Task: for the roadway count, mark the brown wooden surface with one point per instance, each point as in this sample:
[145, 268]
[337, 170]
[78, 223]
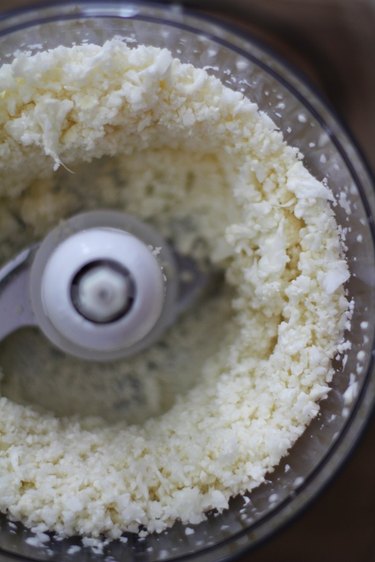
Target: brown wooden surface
[340, 525]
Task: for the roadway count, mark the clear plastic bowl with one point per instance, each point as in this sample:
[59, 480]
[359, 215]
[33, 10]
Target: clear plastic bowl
[329, 153]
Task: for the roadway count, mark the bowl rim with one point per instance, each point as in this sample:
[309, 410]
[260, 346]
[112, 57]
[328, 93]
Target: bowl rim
[339, 452]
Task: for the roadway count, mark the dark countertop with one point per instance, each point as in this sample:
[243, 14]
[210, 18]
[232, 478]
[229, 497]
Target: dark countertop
[332, 42]
[339, 525]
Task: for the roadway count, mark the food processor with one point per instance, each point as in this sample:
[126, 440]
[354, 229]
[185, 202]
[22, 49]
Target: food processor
[306, 123]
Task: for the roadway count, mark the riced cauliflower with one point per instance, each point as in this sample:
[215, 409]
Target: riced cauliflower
[235, 382]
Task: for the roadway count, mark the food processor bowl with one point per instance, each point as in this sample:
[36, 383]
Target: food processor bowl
[307, 123]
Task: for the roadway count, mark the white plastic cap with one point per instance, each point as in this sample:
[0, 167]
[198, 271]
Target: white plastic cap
[94, 246]
[103, 285]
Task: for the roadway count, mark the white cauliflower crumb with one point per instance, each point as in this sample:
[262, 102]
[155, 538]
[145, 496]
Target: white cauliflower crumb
[174, 146]
[73, 549]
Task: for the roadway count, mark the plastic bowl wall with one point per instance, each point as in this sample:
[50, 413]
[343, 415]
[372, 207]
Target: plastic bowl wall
[329, 153]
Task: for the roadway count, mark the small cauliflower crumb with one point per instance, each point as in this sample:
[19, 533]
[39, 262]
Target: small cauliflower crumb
[163, 140]
[73, 549]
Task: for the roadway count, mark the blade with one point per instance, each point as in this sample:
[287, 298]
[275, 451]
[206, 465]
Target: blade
[15, 306]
